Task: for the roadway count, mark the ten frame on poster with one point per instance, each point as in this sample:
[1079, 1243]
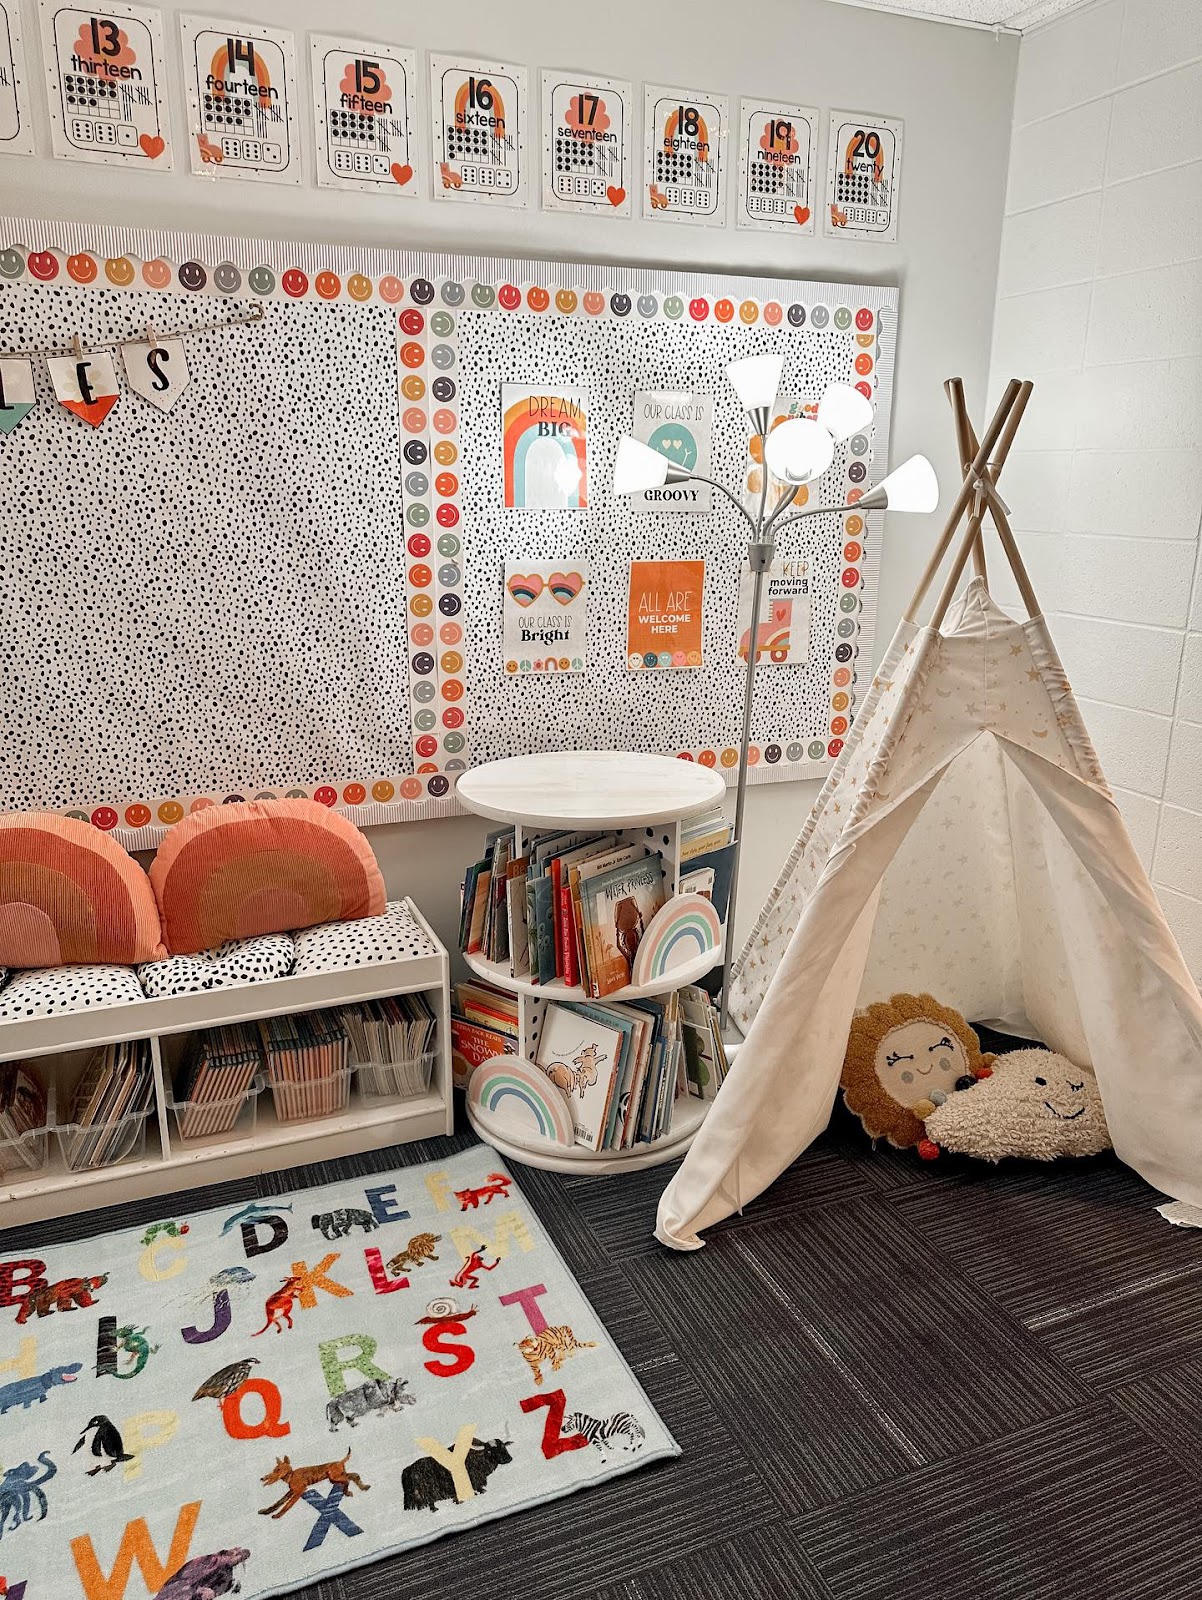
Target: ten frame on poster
[474, 309]
[364, 115]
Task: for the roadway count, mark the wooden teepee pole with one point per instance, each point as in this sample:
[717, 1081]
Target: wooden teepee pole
[967, 445]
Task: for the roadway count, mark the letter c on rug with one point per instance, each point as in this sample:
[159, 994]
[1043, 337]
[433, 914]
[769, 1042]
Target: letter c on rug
[270, 1426]
[136, 1545]
[435, 1340]
[148, 1262]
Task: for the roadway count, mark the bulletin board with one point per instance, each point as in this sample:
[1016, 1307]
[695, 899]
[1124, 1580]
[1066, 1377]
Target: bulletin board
[292, 582]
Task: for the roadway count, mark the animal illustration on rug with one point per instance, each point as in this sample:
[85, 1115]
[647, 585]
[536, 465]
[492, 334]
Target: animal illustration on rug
[416, 1253]
[105, 1444]
[226, 1380]
[69, 1294]
[337, 1224]
[206, 1577]
[279, 1306]
[580, 1075]
[229, 1276]
[21, 1491]
[170, 1230]
[133, 1342]
[445, 1310]
[25, 1391]
[496, 1187]
[425, 1482]
[254, 1212]
[468, 1276]
[298, 1479]
[554, 1345]
[377, 1394]
[607, 1433]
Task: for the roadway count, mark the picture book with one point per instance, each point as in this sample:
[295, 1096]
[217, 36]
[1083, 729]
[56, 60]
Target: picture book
[617, 906]
[582, 1056]
[710, 874]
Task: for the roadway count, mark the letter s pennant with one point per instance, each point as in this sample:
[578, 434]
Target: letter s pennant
[157, 371]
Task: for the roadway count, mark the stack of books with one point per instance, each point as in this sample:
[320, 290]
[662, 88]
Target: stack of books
[484, 1024]
[706, 831]
[705, 1055]
[391, 1043]
[110, 1106]
[620, 1067]
[218, 1073]
[308, 1064]
[22, 1110]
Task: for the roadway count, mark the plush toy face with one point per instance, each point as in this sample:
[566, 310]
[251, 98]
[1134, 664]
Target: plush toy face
[904, 1056]
[1037, 1105]
[920, 1057]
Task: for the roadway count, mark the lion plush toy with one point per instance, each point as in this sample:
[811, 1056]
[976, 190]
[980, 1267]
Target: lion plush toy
[905, 1056]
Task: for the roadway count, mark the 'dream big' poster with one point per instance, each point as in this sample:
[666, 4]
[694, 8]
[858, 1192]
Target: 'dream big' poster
[544, 447]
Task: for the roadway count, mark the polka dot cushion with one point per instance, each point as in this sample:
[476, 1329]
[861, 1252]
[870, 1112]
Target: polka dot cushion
[55, 990]
[3, 976]
[395, 936]
[236, 962]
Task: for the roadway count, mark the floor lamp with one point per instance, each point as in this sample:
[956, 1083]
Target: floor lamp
[795, 453]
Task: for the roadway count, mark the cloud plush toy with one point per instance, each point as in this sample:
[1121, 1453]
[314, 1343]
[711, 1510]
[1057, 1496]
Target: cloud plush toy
[1036, 1105]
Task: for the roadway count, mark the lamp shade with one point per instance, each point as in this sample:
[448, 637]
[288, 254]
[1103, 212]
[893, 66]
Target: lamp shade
[798, 451]
[843, 411]
[638, 467]
[911, 487]
[756, 380]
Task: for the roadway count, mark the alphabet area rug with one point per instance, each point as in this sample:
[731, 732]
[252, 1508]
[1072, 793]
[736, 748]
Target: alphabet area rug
[270, 1394]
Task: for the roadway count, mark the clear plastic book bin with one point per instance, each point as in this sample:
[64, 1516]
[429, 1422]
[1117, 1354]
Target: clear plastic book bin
[103, 1143]
[230, 1116]
[24, 1153]
[299, 1098]
[401, 1079]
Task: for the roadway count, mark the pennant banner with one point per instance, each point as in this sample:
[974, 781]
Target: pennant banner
[158, 371]
[86, 384]
[16, 391]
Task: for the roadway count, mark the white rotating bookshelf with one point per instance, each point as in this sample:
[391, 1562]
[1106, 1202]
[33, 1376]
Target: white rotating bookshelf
[639, 798]
[164, 1161]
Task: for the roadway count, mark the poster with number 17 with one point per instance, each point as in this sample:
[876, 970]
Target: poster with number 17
[586, 144]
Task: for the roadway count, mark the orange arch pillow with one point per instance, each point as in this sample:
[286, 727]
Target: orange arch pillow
[69, 894]
[266, 866]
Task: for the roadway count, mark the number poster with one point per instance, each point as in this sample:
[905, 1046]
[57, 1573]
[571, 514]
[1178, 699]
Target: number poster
[664, 614]
[678, 425]
[363, 115]
[783, 625]
[685, 156]
[16, 128]
[479, 114]
[586, 144]
[106, 84]
[242, 99]
[863, 176]
[544, 616]
[544, 448]
[778, 152]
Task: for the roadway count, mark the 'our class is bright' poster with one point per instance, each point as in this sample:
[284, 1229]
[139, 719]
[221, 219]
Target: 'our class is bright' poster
[544, 448]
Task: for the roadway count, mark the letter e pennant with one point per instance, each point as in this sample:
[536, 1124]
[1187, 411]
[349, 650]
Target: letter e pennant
[85, 384]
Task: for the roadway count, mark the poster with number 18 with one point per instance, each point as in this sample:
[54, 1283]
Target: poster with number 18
[106, 85]
[685, 136]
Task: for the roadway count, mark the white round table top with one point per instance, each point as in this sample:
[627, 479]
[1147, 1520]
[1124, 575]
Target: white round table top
[589, 788]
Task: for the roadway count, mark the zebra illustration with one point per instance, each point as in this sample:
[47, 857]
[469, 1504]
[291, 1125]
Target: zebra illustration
[606, 1433]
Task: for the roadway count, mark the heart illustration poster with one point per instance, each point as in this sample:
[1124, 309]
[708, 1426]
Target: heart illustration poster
[478, 111]
[242, 100]
[664, 614]
[677, 423]
[107, 85]
[684, 178]
[545, 616]
[363, 115]
[783, 624]
[586, 144]
[778, 147]
[544, 449]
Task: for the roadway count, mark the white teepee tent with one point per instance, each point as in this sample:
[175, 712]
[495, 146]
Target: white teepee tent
[965, 844]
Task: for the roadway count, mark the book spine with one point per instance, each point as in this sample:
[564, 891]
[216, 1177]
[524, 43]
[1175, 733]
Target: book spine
[556, 931]
[567, 934]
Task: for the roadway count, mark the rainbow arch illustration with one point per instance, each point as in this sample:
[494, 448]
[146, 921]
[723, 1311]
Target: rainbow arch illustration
[521, 425]
[513, 1088]
[680, 931]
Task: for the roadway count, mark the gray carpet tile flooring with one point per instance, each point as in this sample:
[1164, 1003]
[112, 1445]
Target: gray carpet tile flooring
[892, 1380]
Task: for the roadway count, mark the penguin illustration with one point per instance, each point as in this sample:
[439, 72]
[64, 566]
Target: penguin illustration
[107, 1445]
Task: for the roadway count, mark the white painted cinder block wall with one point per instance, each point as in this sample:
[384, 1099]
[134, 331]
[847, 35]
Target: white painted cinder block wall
[1100, 302]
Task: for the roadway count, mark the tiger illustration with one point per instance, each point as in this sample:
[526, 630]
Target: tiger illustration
[605, 1433]
[554, 1345]
[419, 1250]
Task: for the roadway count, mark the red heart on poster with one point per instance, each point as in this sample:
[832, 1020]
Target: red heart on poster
[614, 195]
[402, 174]
[153, 144]
[801, 215]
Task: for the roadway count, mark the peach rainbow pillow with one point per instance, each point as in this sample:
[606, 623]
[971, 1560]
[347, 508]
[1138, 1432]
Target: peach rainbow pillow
[266, 866]
[70, 895]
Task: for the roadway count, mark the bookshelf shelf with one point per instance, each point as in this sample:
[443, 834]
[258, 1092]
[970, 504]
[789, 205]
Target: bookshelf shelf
[632, 795]
[169, 1162]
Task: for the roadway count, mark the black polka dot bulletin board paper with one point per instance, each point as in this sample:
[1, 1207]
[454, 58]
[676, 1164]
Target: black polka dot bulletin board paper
[291, 583]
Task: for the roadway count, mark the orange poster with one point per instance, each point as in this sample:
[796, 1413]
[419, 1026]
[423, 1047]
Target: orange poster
[663, 617]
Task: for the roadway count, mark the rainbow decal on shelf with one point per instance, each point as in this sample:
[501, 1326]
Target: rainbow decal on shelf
[512, 1090]
[680, 931]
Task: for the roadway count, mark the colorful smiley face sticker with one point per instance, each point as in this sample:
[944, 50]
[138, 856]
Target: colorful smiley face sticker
[43, 265]
[137, 816]
[226, 277]
[749, 312]
[619, 304]
[537, 299]
[724, 310]
[105, 818]
[170, 812]
[294, 282]
[358, 287]
[565, 301]
[82, 267]
[325, 795]
[421, 291]
[674, 307]
[699, 309]
[328, 285]
[120, 271]
[452, 293]
[382, 791]
[594, 303]
[773, 312]
[192, 275]
[483, 295]
[11, 264]
[262, 280]
[509, 296]
[391, 289]
[354, 794]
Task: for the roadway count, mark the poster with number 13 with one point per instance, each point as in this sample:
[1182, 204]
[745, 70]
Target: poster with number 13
[107, 90]
[242, 99]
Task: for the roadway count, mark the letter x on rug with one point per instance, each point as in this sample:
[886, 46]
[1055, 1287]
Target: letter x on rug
[270, 1395]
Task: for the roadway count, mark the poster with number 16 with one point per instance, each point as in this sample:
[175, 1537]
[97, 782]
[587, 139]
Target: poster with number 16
[479, 113]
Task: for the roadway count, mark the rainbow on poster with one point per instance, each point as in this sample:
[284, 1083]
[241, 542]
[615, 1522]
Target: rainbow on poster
[544, 448]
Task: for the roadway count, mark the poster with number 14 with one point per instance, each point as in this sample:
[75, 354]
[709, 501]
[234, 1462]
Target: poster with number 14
[242, 97]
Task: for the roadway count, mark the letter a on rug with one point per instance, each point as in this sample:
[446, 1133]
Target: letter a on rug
[300, 1385]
